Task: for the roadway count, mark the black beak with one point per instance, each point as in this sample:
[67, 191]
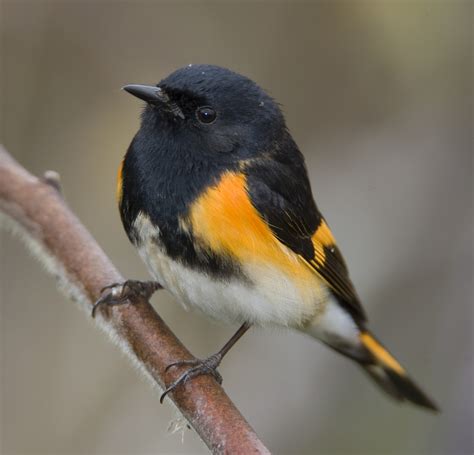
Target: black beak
[148, 93]
[154, 95]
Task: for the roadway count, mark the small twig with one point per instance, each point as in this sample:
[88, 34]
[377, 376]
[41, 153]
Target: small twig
[35, 209]
[53, 178]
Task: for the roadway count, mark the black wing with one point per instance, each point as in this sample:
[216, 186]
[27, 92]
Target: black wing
[279, 189]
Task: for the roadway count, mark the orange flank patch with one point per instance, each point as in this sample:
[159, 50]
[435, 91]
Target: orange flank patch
[380, 353]
[119, 188]
[224, 219]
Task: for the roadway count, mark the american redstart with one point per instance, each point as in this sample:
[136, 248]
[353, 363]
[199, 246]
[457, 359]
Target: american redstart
[214, 193]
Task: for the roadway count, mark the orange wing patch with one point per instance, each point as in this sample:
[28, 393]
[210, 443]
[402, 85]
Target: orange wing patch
[224, 219]
[322, 238]
[329, 264]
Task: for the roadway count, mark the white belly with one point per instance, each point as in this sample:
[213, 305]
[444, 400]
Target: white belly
[270, 299]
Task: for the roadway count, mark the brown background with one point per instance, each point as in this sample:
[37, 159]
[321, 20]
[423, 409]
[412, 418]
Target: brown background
[377, 94]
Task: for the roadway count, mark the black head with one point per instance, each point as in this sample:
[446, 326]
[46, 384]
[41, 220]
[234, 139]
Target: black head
[211, 113]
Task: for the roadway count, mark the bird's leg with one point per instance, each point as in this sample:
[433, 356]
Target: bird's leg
[206, 366]
[119, 293]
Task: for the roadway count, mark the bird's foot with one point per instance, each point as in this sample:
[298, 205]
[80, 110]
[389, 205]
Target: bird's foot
[119, 293]
[198, 367]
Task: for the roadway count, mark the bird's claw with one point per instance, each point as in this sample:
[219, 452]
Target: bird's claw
[198, 367]
[121, 292]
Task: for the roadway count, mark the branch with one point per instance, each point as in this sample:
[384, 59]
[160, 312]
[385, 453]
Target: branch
[36, 210]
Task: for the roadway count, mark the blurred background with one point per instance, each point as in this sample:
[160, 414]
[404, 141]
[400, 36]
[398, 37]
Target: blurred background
[378, 96]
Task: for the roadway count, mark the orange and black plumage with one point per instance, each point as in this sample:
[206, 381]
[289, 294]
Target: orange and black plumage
[214, 193]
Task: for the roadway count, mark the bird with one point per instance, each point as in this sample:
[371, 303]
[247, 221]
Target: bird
[214, 193]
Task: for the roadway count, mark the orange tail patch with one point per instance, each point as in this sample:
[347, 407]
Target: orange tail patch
[380, 353]
[391, 376]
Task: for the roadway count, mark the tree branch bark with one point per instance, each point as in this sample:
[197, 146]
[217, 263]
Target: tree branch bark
[35, 209]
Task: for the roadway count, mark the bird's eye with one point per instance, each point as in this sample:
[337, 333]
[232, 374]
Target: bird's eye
[206, 114]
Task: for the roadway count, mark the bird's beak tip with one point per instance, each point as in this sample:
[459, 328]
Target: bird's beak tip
[148, 93]
[154, 95]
